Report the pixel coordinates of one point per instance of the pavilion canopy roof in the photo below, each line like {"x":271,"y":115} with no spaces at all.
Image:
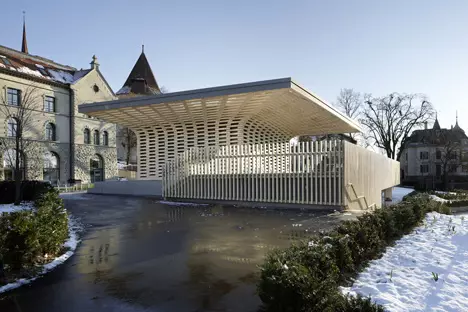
{"x":280,"y":102}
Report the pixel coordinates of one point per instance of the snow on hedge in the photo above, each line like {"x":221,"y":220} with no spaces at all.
{"x":12,"y":208}
{"x":426,"y":270}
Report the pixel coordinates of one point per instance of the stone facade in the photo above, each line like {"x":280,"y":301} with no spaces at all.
{"x":69,"y":88}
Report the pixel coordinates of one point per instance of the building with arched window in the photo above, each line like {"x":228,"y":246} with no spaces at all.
{"x":50,"y":134}
{"x":96,"y":140}
{"x":62,"y":146}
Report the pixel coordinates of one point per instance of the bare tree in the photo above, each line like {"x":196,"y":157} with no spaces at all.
{"x":349,"y":102}
{"x":389,"y":120}
{"x":449,"y":156}
{"x":18,"y":110}
{"x":128,"y":140}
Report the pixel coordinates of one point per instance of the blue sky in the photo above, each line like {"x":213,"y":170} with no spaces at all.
{"x":417,"y":46}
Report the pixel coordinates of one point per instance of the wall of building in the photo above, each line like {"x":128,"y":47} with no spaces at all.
{"x":82,"y":92}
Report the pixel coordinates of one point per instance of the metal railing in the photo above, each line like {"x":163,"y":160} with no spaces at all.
{"x":66,"y":188}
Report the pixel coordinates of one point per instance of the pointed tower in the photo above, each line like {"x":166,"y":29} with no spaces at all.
{"x":436,"y":124}
{"x":24,"y":45}
{"x":141,"y":79}
{"x":457,"y":127}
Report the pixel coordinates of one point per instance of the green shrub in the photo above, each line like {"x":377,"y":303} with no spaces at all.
{"x":409,"y":195}
{"x":31,"y":190}
{"x":306,"y":276}
{"x":27,"y":236}
{"x":360,"y":304}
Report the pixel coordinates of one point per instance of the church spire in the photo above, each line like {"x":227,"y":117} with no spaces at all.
{"x":436,"y":124}
{"x":141,"y":79}
{"x":24,"y":46}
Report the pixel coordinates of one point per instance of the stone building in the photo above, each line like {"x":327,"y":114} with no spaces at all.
{"x":431,"y":158}
{"x":64,"y":144}
{"x":140,"y":82}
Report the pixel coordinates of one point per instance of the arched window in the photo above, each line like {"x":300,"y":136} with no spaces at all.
{"x":96,"y":137}
{"x":12,"y":127}
{"x":9,"y":164}
{"x":105,"y":138}
{"x":87,"y":138}
{"x":50,"y":132}
{"x":51,"y":170}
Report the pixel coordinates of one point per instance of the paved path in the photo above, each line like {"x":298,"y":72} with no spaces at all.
{"x":141,"y":255}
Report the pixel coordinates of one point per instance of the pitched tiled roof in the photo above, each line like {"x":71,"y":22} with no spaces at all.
{"x":436,"y":136}
{"x":38,"y":67}
{"x":141,"y":79}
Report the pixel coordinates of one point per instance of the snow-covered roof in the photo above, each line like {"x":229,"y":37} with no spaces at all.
{"x":39,"y":67}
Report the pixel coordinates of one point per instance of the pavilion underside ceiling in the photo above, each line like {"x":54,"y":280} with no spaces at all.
{"x":166,"y":129}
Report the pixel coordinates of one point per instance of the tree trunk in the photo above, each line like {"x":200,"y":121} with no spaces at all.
{"x":129,"y":150}
{"x":17,"y":172}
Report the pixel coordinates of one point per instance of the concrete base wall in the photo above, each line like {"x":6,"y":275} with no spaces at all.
{"x":133,"y":188}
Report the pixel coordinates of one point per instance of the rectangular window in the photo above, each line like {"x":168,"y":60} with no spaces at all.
{"x":438,"y":154}
{"x":424,"y":168}
{"x":453,"y":168}
{"x":14,"y":97}
{"x":423,"y":155}
{"x":49,"y":104}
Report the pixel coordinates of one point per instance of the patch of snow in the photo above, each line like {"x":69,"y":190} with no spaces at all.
{"x":12,"y":208}
{"x":61,"y":76}
{"x":1,"y":65}
{"x":73,"y":228}
{"x":39,"y":66}
{"x":404,"y":278}
{"x":124,"y":90}
{"x":12,"y":68}
{"x":180,"y":203}
{"x":449,"y":193}
{"x":28,"y":71}
{"x":438,"y":199}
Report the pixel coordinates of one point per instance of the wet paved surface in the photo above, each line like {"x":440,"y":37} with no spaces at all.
{"x":142,"y":255}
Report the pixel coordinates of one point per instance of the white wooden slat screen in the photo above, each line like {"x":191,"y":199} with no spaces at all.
{"x":306,"y":173}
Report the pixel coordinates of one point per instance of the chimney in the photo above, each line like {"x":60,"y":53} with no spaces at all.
{"x":94,"y":63}
{"x":425,"y":125}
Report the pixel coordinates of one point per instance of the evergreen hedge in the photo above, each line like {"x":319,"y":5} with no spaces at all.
{"x":29,"y":237}
{"x":32,"y":190}
{"x":307,"y":275}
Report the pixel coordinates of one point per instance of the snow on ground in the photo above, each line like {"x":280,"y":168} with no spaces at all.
{"x":72,"y":242}
{"x":438,"y":199}
{"x":11,"y":207}
{"x":164,"y":202}
{"x":404,"y":279}
{"x":398,"y":194}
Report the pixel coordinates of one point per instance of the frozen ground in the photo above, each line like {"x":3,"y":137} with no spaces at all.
{"x":70,"y":244}
{"x":425,"y":270}
{"x":11,"y":207}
